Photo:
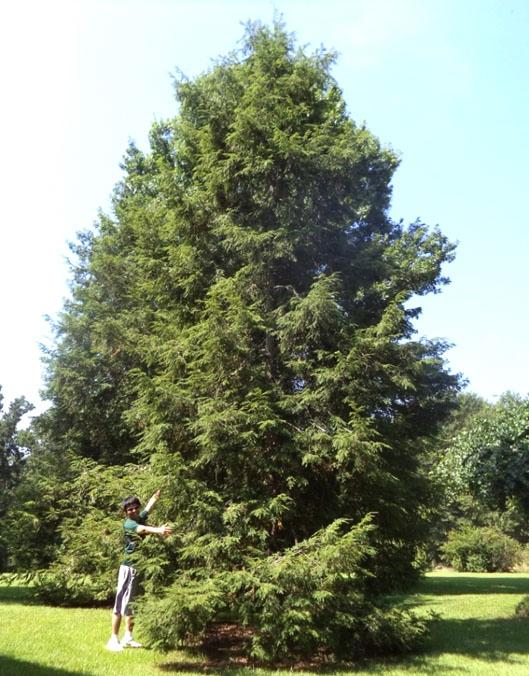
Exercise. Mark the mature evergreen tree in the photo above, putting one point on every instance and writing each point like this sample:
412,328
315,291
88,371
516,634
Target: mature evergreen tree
243,322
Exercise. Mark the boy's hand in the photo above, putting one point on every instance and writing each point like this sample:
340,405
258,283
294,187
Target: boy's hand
166,530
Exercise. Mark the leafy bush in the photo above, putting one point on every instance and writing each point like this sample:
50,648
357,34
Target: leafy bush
42,500
86,568
90,536
478,550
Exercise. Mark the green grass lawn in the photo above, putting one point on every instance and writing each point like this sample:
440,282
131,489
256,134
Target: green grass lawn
476,634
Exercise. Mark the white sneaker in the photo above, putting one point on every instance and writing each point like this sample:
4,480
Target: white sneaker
130,643
114,645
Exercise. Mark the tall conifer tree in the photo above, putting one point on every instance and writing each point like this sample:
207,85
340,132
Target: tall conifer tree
243,322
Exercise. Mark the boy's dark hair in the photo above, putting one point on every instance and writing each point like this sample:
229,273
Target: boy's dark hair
131,501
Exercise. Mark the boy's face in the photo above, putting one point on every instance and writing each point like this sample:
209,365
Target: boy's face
132,511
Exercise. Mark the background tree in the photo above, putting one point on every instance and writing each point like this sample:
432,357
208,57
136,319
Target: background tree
14,445
490,457
242,324
468,407
453,505
482,477
13,442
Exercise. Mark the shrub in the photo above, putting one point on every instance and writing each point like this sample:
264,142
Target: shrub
90,535
480,550
85,570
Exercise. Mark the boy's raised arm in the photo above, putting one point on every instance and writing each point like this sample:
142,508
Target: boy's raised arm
152,501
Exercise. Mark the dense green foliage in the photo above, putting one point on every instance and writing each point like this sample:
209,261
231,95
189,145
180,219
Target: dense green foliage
13,444
38,505
90,543
296,602
455,506
481,550
14,447
488,461
241,329
479,469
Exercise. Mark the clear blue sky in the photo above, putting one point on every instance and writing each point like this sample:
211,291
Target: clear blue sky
444,82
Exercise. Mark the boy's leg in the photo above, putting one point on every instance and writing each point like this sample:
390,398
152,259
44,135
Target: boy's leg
128,640
121,596
116,623
113,643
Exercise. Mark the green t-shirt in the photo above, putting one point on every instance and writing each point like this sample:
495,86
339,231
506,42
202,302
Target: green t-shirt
132,539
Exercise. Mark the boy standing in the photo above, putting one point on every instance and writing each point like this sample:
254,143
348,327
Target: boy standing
135,528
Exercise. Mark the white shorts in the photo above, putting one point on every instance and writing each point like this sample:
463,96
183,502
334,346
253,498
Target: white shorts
125,591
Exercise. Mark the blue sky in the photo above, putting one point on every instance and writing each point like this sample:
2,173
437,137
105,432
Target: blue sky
443,82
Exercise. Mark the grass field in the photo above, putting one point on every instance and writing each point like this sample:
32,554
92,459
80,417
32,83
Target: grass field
477,633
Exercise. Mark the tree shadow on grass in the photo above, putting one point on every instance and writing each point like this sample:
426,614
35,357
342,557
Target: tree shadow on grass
486,639
499,640
15,594
229,660
469,584
13,667
415,664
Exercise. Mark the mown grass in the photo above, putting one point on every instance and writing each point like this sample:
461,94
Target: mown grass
47,641
477,633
